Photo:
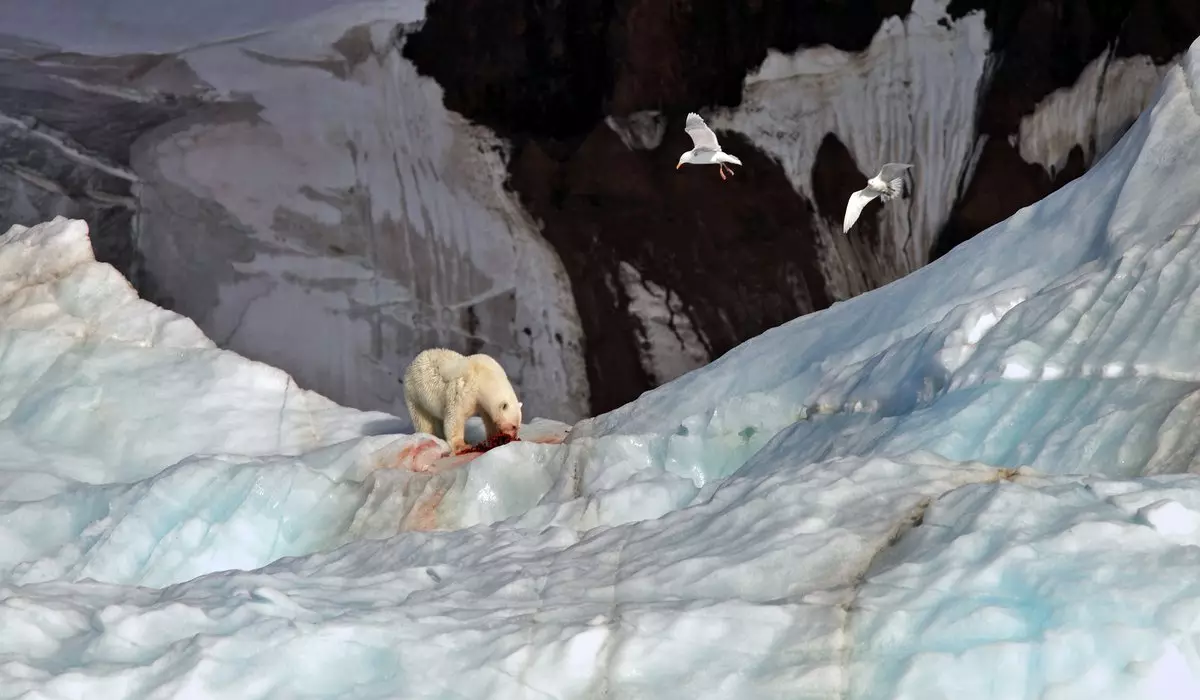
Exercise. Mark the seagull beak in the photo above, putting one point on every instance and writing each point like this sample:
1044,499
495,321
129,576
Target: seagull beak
678,166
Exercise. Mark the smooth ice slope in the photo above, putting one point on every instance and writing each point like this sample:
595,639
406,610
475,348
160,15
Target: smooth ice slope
132,450
976,482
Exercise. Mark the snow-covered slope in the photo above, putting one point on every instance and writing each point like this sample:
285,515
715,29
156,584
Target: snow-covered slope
974,482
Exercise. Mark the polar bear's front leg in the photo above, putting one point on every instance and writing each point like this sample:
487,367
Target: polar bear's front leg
455,428
454,418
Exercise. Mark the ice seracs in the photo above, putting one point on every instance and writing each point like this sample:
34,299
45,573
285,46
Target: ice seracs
705,149
859,496
888,184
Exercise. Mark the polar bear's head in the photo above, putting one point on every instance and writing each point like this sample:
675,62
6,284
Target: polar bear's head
496,396
509,415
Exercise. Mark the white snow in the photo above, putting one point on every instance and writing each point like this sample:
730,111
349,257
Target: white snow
910,97
857,505
671,347
1170,518
1109,94
642,131
329,215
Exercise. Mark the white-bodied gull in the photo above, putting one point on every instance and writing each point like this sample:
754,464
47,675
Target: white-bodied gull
888,184
706,150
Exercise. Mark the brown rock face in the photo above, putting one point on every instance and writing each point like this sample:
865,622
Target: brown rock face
554,68
738,255
1044,46
727,249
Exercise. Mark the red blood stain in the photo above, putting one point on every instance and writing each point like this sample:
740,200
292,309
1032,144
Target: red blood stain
549,440
489,444
423,516
417,456
452,461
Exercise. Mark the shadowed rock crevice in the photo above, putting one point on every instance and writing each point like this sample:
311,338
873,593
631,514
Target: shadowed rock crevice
1002,184
129,95
737,254
836,176
44,174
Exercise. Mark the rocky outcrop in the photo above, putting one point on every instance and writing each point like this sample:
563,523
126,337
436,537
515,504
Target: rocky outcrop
569,83
66,127
1045,47
603,206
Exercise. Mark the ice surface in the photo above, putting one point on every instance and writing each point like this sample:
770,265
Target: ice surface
977,482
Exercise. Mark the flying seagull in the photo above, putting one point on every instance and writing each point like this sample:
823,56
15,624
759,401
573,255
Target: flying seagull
888,184
706,150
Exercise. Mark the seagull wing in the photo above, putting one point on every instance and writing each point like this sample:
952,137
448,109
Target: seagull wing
855,205
702,136
891,171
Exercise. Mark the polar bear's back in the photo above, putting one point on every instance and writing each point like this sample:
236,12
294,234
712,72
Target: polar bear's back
431,370
486,364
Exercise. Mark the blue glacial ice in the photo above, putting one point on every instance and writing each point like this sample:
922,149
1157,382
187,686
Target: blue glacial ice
976,482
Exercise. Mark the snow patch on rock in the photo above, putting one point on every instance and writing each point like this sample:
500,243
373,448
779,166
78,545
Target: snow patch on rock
909,97
670,345
1093,113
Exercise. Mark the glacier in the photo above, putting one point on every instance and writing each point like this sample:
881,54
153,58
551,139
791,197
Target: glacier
309,183
977,481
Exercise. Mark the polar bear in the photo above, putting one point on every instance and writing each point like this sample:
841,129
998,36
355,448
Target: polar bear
443,388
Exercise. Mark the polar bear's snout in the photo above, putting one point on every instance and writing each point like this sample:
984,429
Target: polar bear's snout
509,422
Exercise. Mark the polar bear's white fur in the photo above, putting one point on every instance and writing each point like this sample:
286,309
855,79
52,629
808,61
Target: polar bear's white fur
443,388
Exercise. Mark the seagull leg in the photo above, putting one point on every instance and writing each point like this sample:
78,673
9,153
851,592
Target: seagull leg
722,170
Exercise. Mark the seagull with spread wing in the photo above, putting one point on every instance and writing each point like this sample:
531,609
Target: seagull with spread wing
706,150
888,184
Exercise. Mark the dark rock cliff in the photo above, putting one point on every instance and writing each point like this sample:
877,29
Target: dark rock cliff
738,254
1044,46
